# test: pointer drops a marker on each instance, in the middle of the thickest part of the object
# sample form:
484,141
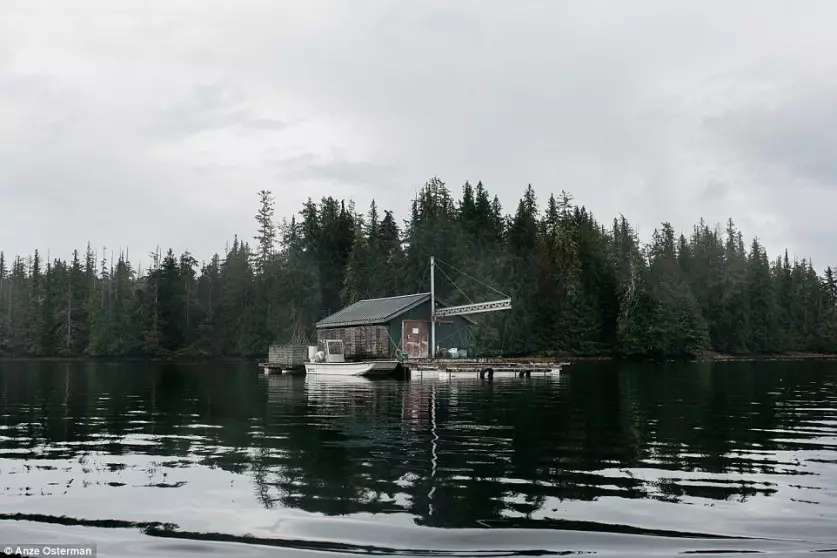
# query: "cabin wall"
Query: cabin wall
380,341
360,342
288,356
452,332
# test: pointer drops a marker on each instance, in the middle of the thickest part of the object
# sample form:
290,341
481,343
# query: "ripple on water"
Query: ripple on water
608,456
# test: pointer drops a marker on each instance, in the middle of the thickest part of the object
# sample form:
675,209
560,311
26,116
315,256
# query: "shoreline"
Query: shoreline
707,357
156,360
770,357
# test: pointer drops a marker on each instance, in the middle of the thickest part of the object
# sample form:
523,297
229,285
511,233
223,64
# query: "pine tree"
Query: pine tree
18,310
763,310
124,313
433,231
598,305
357,285
370,229
329,235
208,289
830,286
34,309
298,291
4,298
237,290
783,288
171,303
266,236
150,308
468,215
576,286
54,282
70,313
188,277
732,324
828,324
392,259
521,269
706,278
678,327
488,229
97,316
578,320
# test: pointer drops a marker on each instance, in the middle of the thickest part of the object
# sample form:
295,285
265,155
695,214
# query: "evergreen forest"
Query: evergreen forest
578,286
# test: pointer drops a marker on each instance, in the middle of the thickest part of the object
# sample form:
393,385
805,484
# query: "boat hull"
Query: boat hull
370,368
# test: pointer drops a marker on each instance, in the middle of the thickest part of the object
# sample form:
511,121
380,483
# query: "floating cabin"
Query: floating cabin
375,328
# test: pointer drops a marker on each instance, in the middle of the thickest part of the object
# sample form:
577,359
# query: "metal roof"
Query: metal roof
373,311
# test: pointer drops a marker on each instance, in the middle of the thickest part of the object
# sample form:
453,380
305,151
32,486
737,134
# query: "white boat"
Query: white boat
333,363
375,368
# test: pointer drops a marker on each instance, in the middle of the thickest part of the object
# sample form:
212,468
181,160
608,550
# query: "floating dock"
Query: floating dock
276,368
474,368
484,368
287,359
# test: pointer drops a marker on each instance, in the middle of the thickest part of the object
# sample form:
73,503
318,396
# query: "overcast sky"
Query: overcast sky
138,123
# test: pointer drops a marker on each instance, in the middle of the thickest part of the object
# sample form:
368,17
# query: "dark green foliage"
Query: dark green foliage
64,317
388,279
171,303
576,286
433,230
266,234
4,303
520,268
34,320
359,271
662,317
18,310
329,234
764,332
115,315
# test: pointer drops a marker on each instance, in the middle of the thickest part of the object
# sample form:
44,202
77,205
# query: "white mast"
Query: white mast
432,307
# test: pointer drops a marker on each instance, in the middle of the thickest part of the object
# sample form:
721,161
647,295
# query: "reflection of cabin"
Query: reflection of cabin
374,328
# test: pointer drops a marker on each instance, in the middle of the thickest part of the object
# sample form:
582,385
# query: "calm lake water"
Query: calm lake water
606,459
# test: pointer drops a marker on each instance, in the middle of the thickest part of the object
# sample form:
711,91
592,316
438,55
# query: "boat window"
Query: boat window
335,347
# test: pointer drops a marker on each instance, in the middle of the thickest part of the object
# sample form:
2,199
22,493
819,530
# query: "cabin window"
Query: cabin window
334,347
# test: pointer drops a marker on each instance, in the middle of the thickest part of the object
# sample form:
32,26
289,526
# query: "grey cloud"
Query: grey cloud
209,108
313,167
715,191
798,132
262,123
661,110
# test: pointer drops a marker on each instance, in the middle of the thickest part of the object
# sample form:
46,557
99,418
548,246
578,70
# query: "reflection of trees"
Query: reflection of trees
330,457
449,453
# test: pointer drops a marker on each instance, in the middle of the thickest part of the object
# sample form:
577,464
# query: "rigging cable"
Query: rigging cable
423,275
473,278
455,285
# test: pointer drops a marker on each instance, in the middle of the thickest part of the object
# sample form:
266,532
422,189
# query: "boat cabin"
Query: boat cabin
333,351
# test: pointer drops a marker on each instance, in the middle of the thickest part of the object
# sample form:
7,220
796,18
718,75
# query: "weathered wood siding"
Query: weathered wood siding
379,341
359,342
288,356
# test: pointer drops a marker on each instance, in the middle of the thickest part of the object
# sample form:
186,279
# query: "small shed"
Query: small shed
374,328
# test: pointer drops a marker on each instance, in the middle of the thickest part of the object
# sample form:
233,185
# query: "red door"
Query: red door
415,338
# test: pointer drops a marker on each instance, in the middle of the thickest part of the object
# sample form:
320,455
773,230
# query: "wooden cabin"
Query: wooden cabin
375,328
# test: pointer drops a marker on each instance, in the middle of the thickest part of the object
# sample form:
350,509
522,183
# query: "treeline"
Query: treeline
578,286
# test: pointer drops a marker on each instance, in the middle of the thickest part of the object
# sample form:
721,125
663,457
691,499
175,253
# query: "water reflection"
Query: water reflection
606,443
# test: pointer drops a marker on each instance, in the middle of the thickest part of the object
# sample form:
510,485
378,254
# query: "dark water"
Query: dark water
605,459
